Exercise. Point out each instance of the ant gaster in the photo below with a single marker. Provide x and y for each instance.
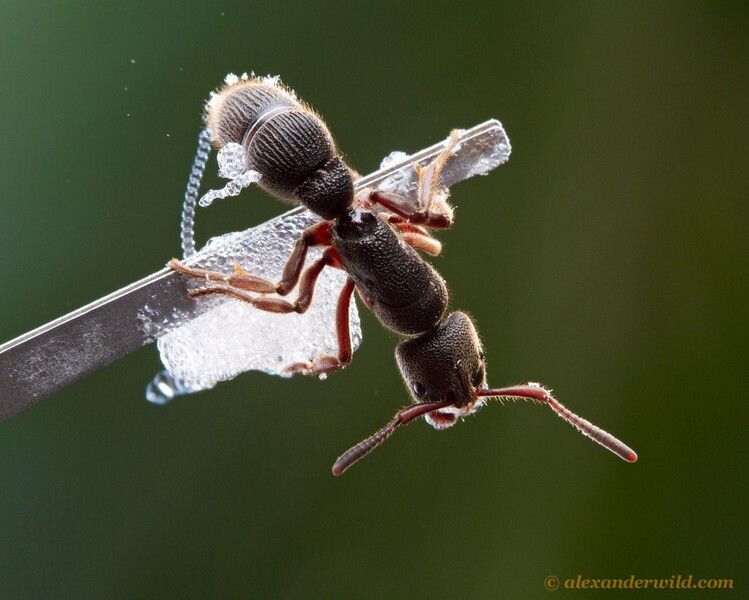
(372, 236)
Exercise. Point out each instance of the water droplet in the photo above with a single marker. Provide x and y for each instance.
(164, 388)
(232, 164)
(394, 157)
(232, 160)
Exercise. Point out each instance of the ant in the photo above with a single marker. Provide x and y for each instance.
(373, 236)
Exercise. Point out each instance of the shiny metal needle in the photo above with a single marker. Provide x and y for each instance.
(53, 356)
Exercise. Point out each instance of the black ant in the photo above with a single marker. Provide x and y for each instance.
(372, 236)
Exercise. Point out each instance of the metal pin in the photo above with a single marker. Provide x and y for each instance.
(45, 360)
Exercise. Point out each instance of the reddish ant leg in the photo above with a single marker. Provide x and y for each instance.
(402, 224)
(239, 278)
(441, 218)
(431, 209)
(430, 186)
(415, 236)
(326, 364)
(426, 243)
(277, 305)
(316, 235)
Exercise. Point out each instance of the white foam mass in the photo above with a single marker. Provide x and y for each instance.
(233, 337)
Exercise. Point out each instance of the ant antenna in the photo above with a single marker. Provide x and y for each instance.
(402, 417)
(534, 391)
(187, 227)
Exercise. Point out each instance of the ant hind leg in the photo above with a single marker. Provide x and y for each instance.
(327, 363)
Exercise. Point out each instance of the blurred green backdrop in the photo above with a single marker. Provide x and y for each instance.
(607, 259)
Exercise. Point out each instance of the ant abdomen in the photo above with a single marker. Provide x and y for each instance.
(285, 141)
(237, 106)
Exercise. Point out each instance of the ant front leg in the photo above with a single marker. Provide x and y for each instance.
(316, 235)
(326, 364)
(432, 208)
(277, 305)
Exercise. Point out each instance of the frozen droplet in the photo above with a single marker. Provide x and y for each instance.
(232, 160)
(163, 388)
(232, 165)
(394, 157)
(233, 188)
(231, 79)
(271, 79)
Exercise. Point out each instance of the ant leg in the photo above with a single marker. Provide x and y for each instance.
(316, 235)
(431, 209)
(415, 236)
(239, 279)
(277, 305)
(430, 188)
(426, 243)
(326, 364)
(439, 218)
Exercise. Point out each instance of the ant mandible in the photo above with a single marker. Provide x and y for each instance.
(373, 236)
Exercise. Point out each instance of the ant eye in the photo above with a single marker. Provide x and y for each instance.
(419, 389)
(478, 376)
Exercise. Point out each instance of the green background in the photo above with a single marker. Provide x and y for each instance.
(607, 259)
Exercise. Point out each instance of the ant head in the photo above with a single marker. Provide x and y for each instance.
(446, 375)
(445, 365)
(444, 371)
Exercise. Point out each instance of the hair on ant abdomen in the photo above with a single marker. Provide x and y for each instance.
(285, 141)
